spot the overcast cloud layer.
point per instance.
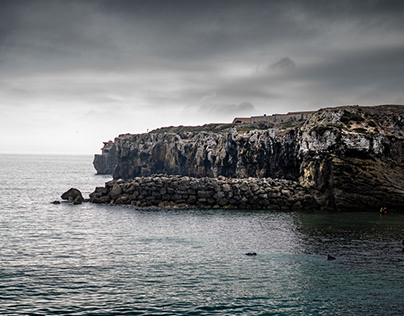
(76, 73)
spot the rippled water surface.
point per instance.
(104, 260)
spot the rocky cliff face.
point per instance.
(350, 158)
(106, 162)
(257, 153)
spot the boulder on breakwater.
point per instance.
(205, 193)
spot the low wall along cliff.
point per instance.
(205, 193)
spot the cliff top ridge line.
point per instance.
(274, 118)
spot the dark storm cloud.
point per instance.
(43, 35)
(46, 34)
(285, 63)
(231, 110)
(183, 62)
(378, 67)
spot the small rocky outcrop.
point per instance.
(73, 195)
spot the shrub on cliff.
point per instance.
(348, 116)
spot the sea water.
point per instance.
(107, 260)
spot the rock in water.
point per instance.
(73, 195)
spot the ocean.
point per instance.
(109, 260)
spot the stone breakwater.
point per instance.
(205, 193)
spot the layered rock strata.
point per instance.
(205, 193)
(353, 157)
(231, 153)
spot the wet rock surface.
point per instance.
(73, 195)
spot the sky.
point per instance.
(76, 73)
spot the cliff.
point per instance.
(106, 162)
(349, 158)
(257, 153)
(352, 157)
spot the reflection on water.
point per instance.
(358, 238)
(98, 260)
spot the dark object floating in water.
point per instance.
(329, 257)
(251, 254)
(55, 202)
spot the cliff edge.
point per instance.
(106, 162)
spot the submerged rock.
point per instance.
(73, 195)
